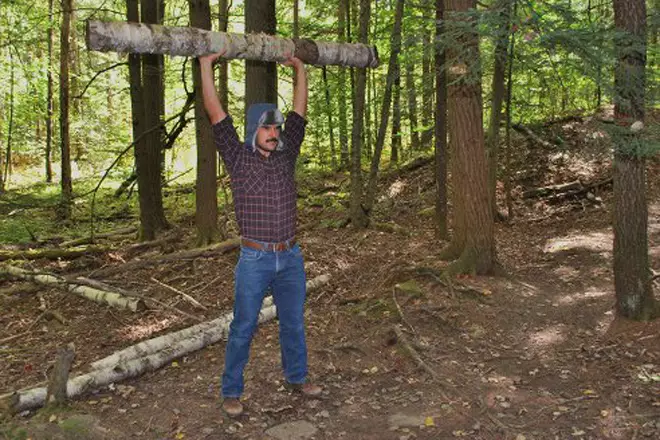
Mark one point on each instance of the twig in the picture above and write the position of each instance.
(398, 309)
(184, 295)
(413, 353)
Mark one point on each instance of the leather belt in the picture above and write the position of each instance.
(269, 247)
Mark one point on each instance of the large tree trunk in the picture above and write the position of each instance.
(441, 155)
(503, 9)
(412, 95)
(427, 79)
(396, 116)
(65, 143)
(331, 128)
(148, 157)
(223, 69)
(473, 241)
(260, 76)
(49, 96)
(343, 109)
(358, 216)
(632, 280)
(385, 109)
(206, 200)
(135, 90)
(188, 41)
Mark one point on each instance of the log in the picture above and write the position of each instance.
(551, 189)
(207, 251)
(111, 372)
(143, 38)
(49, 253)
(56, 391)
(529, 134)
(90, 239)
(158, 343)
(110, 298)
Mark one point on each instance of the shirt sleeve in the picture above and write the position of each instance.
(294, 133)
(227, 142)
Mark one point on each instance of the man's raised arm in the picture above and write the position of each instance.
(212, 104)
(300, 89)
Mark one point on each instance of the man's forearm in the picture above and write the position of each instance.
(212, 104)
(300, 91)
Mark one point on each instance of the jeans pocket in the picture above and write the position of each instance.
(250, 254)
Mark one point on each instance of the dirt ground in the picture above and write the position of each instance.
(533, 354)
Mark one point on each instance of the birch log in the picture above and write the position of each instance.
(189, 340)
(158, 343)
(111, 298)
(188, 41)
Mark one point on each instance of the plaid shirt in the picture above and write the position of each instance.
(263, 187)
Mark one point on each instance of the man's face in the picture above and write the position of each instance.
(268, 137)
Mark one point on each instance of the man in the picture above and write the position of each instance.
(263, 186)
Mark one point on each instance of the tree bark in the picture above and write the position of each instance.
(331, 128)
(10, 126)
(473, 241)
(65, 143)
(223, 66)
(632, 275)
(503, 9)
(260, 75)
(59, 377)
(396, 117)
(357, 213)
(412, 96)
(148, 153)
(385, 109)
(343, 125)
(49, 96)
(441, 156)
(135, 91)
(427, 80)
(110, 298)
(206, 200)
(188, 41)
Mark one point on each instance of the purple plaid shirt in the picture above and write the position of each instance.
(263, 187)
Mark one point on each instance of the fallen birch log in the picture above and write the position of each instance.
(131, 367)
(90, 239)
(188, 41)
(50, 253)
(110, 298)
(159, 343)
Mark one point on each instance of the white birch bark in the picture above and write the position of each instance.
(188, 41)
(101, 296)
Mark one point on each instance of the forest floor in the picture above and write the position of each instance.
(533, 354)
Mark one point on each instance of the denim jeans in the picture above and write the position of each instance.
(284, 273)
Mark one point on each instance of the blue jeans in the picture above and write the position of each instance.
(256, 271)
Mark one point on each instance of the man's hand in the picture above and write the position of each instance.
(300, 88)
(211, 58)
(292, 61)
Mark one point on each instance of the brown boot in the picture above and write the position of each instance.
(232, 407)
(306, 389)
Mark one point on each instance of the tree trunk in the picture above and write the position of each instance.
(412, 95)
(503, 9)
(331, 127)
(427, 81)
(223, 69)
(473, 241)
(59, 377)
(148, 153)
(260, 76)
(206, 200)
(65, 144)
(357, 213)
(396, 116)
(10, 126)
(135, 90)
(508, 172)
(343, 125)
(188, 41)
(385, 109)
(440, 125)
(49, 96)
(632, 280)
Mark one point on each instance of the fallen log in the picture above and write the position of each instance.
(529, 134)
(50, 253)
(188, 41)
(90, 239)
(131, 367)
(208, 251)
(565, 190)
(110, 298)
(551, 189)
(159, 343)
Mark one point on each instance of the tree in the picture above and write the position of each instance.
(396, 116)
(206, 200)
(148, 154)
(473, 239)
(427, 77)
(65, 143)
(503, 10)
(440, 124)
(411, 92)
(135, 91)
(260, 76)
(358, 216)
(342, 12)
(632, 280)
(49, 96)
(392, 70)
